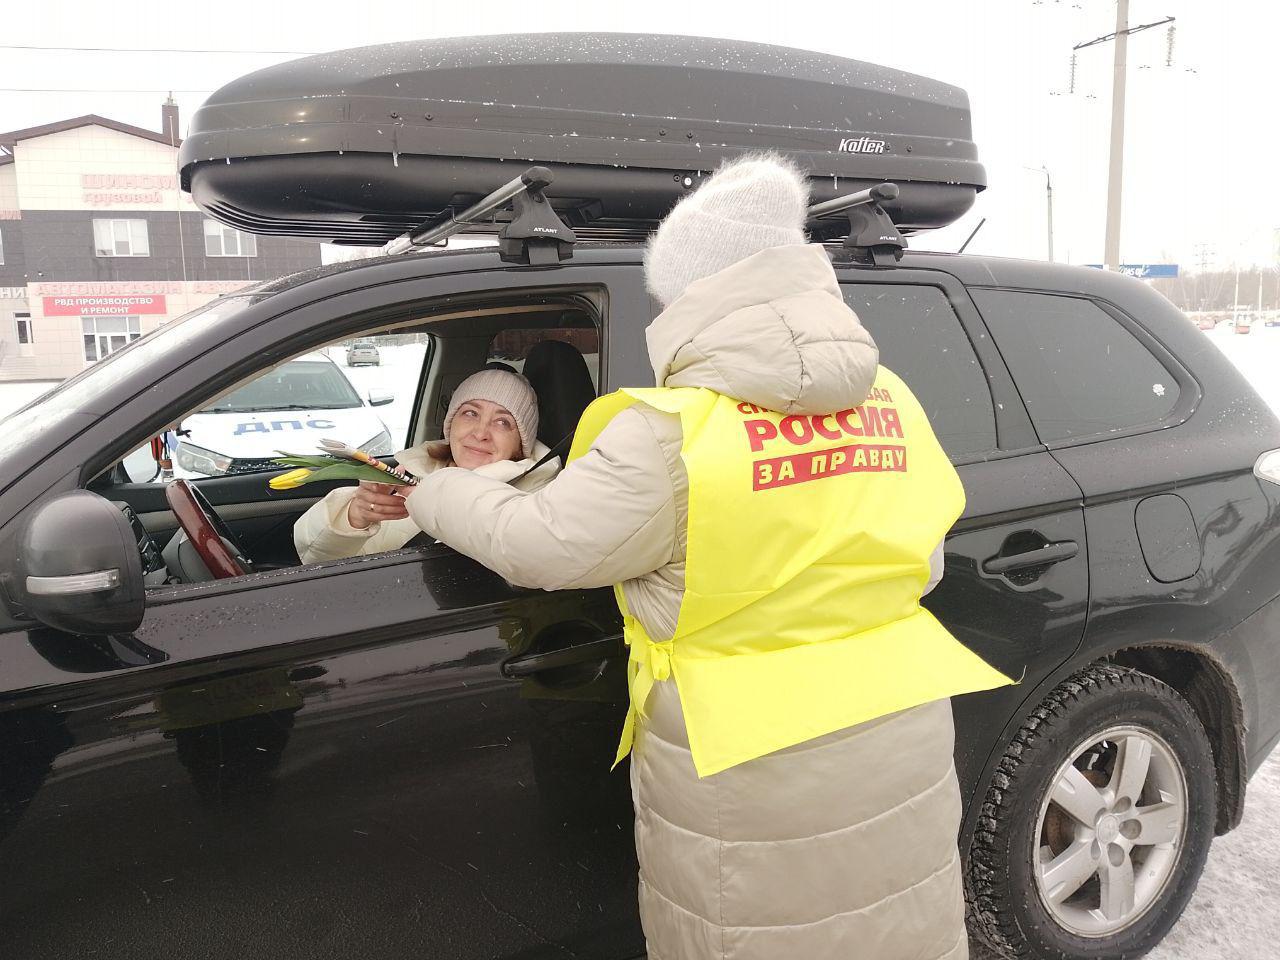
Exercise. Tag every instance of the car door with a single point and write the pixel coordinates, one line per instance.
(397, 756)
(1015, 587)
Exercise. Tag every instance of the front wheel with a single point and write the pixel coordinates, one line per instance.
(1096, 825)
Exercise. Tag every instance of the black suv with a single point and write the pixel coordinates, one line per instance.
(402, 755)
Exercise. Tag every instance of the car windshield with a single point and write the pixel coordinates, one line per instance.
(83, 393)
(297, 385)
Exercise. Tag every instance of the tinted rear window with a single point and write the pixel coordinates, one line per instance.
(921, 340)
(1079, 370)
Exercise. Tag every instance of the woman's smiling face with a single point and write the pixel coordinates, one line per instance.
(483, 432)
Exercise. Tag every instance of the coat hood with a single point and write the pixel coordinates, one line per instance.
(772, 330)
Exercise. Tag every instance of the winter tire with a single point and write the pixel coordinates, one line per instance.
(1097, 822)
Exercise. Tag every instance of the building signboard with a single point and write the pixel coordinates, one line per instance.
(1145, 271)
(131, 288)
(102, 306)
(103, 189)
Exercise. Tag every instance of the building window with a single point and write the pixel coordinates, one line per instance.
(224, 241)
(23, 322)
(106, 335)
(120, 238)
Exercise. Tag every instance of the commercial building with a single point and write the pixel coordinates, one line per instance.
(98, 245)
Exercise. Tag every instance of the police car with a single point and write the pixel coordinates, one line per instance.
(289, 408)
(205, 742)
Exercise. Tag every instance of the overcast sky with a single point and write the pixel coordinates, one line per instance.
(1201, 142)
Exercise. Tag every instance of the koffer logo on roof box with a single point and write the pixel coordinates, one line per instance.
(861, 145)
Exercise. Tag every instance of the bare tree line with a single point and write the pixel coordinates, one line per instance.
(1216, 289)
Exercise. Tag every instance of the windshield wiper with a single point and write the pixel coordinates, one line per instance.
(282, 407)
(315, 406)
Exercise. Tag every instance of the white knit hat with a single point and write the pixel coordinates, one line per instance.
(507, 389)
(750, 204)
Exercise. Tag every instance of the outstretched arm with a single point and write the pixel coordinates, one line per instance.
(608, 517)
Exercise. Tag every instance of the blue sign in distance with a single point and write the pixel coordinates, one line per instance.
(1145, 271)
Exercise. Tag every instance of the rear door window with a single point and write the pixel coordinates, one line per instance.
(921, 340)
(1079, 370)
(512, 346)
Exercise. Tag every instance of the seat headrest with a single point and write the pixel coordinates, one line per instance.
(561, 379)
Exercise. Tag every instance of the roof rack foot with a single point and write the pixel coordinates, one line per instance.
(536, 234)
(873, 235)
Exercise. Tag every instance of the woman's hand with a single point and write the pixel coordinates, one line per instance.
(374, 503)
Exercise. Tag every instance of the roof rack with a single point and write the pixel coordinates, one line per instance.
(872, 235)
(537, 236)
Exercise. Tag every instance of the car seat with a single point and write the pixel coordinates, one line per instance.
(562, 380)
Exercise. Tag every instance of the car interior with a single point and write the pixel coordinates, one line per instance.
(557, 346)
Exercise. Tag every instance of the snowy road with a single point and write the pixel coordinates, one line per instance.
(1235, 913)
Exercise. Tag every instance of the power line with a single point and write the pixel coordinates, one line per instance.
(17, 46)
(1130, 30)
(93, 90)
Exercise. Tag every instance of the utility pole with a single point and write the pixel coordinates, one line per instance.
(1203, 253)
(1115, 173)
(1048, 196)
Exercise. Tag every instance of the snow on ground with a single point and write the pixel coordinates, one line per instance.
(1235, 913)
(398, 373)
(1256, 355)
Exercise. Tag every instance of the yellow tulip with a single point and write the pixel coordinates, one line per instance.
(287, 481)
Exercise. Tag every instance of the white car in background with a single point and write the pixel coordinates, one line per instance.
(363, 353)
(292, 408)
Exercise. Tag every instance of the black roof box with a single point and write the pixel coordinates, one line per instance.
(358, 146)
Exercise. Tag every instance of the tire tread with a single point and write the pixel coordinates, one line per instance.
(989, 918)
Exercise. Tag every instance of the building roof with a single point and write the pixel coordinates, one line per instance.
(10, 139)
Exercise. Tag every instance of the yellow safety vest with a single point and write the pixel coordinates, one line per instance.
(809, 540)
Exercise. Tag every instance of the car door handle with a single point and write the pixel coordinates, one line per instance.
(593, 651)
(1041, 557)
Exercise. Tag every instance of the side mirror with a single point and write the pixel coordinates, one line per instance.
(78, 568)
(380, 398)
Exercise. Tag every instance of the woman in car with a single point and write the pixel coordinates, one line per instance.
(491, 427)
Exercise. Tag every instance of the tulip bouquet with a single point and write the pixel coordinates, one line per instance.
(337, 462)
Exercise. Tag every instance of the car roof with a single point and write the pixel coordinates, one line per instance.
(973, 270)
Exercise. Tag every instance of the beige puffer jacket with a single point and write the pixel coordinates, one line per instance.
(840, 847)
(325, 533)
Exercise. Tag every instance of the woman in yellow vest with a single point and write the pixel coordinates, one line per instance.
(770, 515)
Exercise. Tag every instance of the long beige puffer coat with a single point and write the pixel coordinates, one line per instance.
(842, 847)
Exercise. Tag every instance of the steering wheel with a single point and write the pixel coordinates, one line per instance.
(208, 533)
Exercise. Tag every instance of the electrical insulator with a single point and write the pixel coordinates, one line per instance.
(1168, 60)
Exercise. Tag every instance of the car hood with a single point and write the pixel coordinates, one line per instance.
(257, 435)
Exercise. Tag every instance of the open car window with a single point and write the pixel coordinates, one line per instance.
(381, 391)
(360, 392)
